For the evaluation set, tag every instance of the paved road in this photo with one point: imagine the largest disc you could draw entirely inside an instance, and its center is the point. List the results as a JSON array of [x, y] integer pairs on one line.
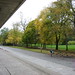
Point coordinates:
[[10, 65], [69, 62], [41, 63]]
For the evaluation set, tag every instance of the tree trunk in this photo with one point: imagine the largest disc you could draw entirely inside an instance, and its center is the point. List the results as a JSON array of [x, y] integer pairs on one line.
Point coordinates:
[[57, 41], [57, 44], [41, 45], [27, 45], [41, 48], [35, 45], [74, 21], [44, 46], [66, 46], [74, 26], [66, 43]]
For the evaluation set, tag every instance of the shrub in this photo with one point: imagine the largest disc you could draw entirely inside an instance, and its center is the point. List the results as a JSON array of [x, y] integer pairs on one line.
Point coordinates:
[[71, 42]]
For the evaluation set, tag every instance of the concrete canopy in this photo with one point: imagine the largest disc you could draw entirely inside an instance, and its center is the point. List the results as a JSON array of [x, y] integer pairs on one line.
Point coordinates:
[[7, 9]]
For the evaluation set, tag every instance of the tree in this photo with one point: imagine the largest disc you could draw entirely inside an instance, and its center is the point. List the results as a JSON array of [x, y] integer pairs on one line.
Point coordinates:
[[50, 26], [52, 20], [59, 16], [3, 35], [14, 35], [71, 5], [66, 18], [23, 22], [29, 36], [43, 26]]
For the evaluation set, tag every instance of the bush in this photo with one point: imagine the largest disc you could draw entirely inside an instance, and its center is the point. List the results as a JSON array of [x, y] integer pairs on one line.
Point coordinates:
[[71, 42]]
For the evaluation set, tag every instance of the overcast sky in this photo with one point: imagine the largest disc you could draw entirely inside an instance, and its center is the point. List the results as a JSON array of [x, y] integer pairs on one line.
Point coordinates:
[[30, 9]]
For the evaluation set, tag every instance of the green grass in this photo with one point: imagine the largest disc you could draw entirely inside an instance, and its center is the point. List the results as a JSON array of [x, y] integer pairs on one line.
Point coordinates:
[[70, 47], [61, 47]]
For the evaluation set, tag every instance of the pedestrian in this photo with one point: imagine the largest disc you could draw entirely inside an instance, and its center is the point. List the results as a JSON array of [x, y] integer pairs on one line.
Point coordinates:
[[51, 52]]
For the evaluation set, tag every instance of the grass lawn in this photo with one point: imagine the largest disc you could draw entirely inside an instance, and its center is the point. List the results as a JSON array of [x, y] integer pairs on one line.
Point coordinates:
[[61, 47], [70, 47]]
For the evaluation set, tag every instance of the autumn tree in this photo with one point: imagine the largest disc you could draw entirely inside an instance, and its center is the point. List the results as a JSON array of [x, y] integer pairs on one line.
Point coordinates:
[[67, 18], [43, 26], [52, 20], [61, 14], [14, 35], [49, 26]]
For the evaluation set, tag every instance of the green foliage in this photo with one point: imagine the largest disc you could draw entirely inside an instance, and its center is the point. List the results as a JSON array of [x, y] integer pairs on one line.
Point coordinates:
[[3, 35], [71, 42], [54, 24], [30, 34]]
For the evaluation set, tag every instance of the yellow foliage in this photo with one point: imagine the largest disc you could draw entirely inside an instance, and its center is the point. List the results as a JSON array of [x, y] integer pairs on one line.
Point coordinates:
[[14, 37]]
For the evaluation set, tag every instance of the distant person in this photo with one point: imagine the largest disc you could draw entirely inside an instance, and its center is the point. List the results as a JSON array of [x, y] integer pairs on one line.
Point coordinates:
[[51, 52]]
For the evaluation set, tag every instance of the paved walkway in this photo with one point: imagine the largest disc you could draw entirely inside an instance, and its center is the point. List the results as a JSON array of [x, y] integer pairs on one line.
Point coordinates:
[[11, 65], [49, 67], [69, 62]]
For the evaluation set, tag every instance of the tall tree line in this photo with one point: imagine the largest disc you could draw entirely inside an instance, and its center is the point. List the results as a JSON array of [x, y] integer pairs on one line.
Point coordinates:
[[54, 25]]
